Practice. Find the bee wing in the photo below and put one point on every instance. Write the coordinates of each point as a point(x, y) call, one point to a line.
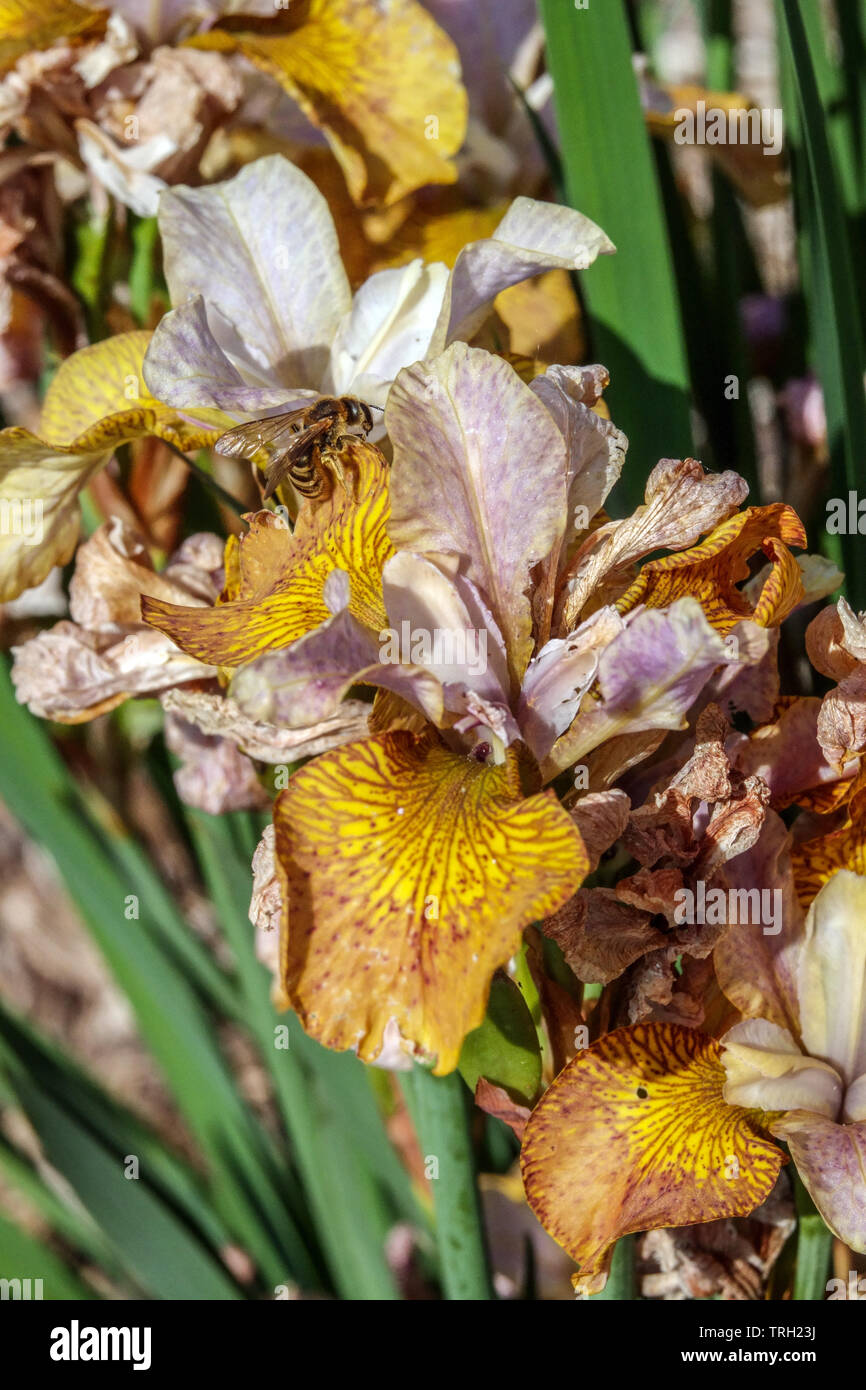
point(298, 446)
point(275, 433)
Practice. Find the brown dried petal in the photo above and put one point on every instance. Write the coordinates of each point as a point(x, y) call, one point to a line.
point(682, 502)
point(825, 645)
point(213, 713)
point(733, 827)
point(495, 1100)
point(600, 936)
point(601, 819)
point(113, 570)
point(731, 1260)
point(841, 725)
point(71, 675)
point(266, 909)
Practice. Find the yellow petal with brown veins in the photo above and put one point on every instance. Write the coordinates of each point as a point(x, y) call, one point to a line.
point(410, 872)
point(816, 861)
point(711, 571)
point(276, 577)
point(381, 81)
point(633, 1135)
point(96, 401)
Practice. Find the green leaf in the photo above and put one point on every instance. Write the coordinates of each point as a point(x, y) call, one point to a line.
point(31, 1060)
point(621, 1285)
point(505, 1049)
point(610, 176)
point(814, 1248)
point(251, 1188)
point(22, 1257)
point(831, 289)
point(326, 1103)
point(142, 269)
point(149, 1240)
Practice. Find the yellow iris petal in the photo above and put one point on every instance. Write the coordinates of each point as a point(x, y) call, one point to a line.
point(633, 1135)
point(276, 578)
point(409, 873)
point(815, 861)
point(711, 571)
point(28, 25)
point(382, 83)
point(96, 401)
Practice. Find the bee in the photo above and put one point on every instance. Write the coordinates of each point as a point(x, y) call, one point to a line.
point(296, 440)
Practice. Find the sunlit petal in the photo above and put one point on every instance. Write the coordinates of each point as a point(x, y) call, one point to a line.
point(277, 594)
point(464, 427)
point(373, 79)
point(96, 401)
point(634, 1134)
point(261, 250)
point(410, 872)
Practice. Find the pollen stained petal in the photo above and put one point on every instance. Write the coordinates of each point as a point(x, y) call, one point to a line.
point(277, 578)
point(409, 873)
point(634, 1134)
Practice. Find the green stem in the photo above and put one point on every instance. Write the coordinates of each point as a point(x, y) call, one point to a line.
point(90, 272)
point(145, 237)
point(814, 1247)
point(437, 1105)
point(209, 481)
point(621, 1286)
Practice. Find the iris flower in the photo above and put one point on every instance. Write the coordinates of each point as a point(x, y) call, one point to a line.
point(264, 319)
point(264, 316)
point(660, 1125)
point(411, 860)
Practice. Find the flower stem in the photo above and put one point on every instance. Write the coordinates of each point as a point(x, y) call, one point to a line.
point(437, 1105)
point(209, 481)
point(814, 1247)
point(145, 237)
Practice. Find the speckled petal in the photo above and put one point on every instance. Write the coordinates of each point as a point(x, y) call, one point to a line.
point(647, 678)
point(633, 1135)
point(278, 591)
point(410, 872)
